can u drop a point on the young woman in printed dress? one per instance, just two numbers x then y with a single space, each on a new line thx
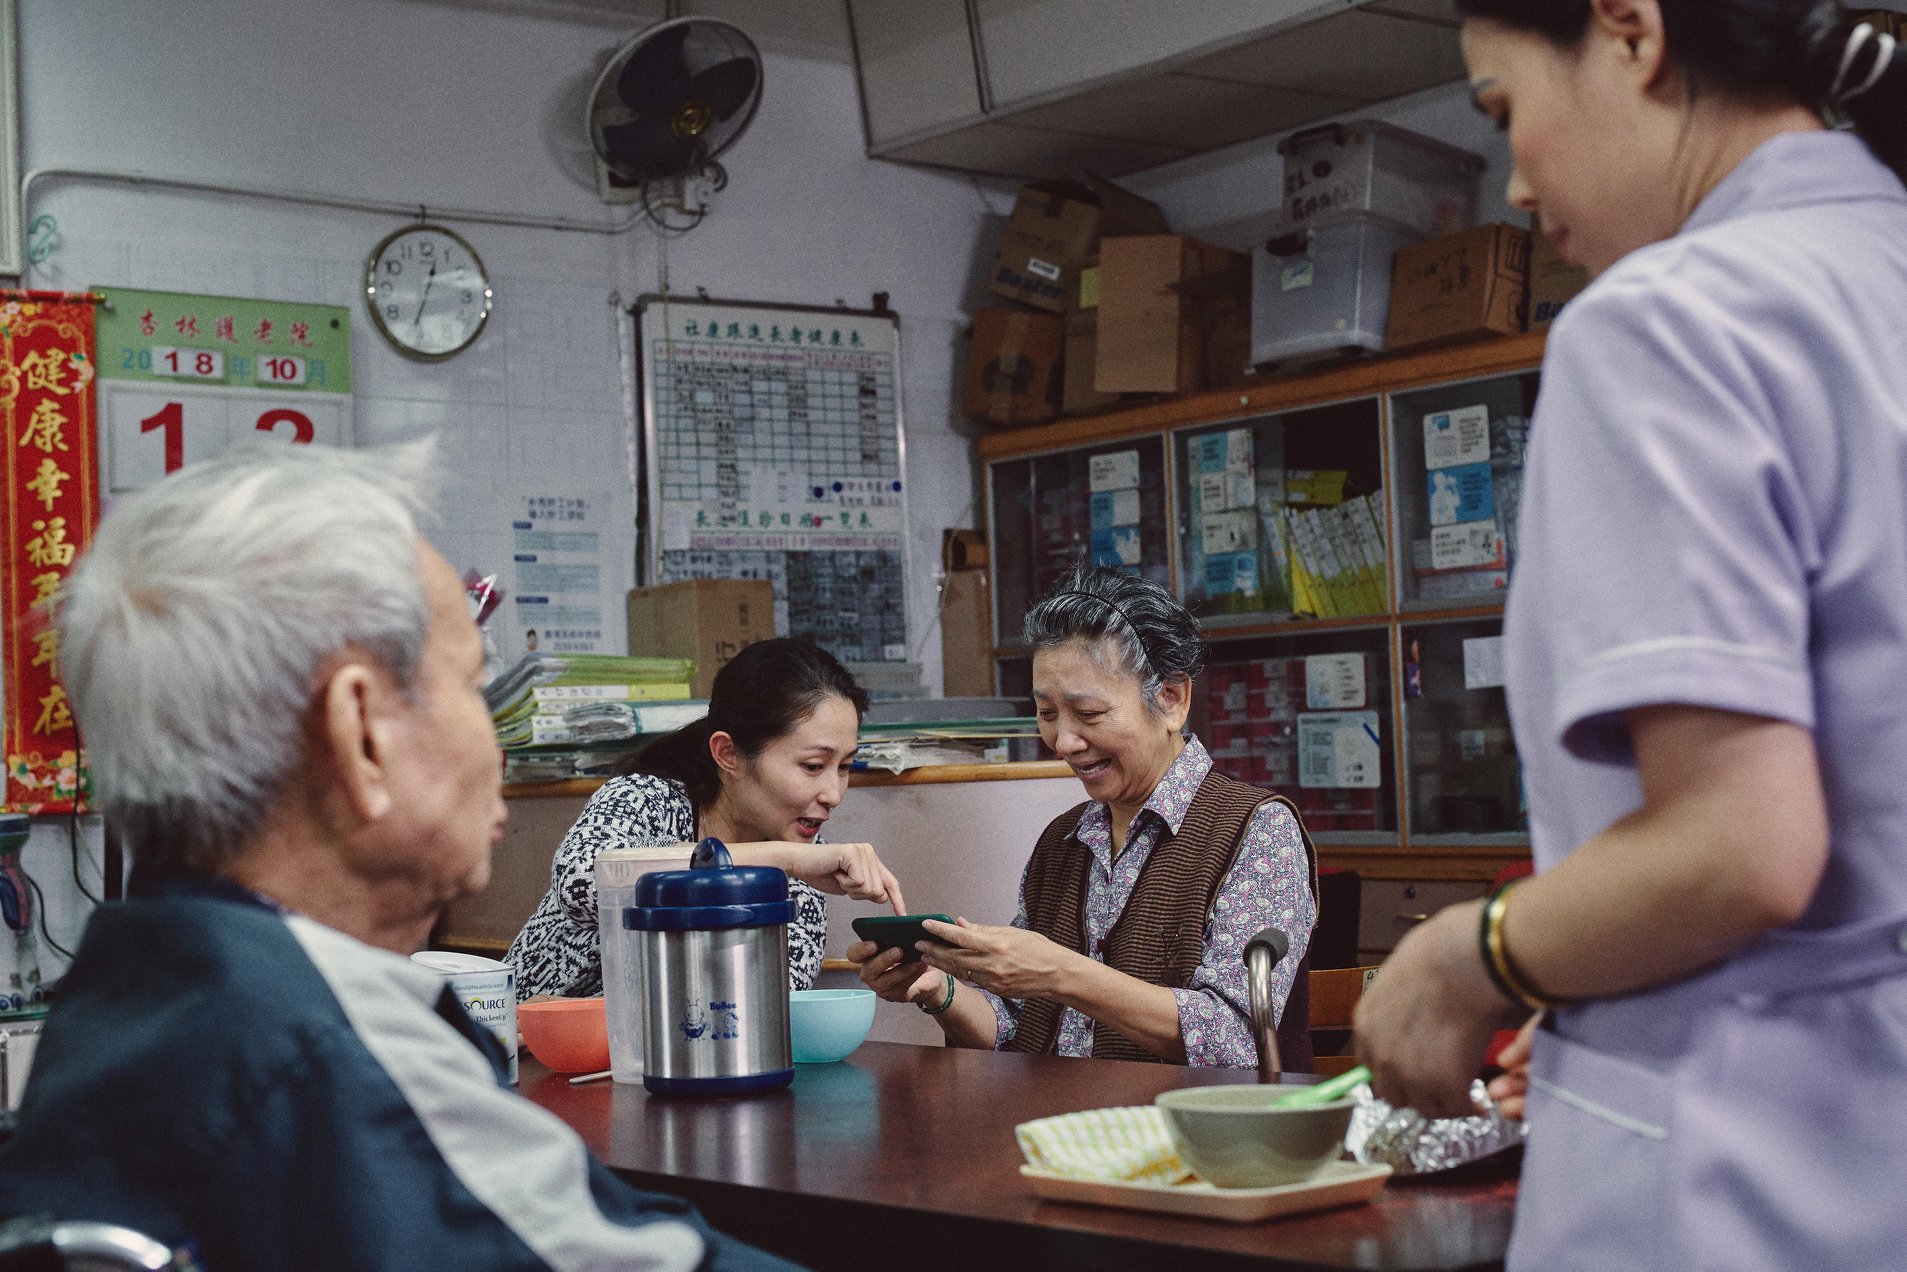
762 772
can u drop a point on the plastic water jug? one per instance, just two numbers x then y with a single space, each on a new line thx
617 873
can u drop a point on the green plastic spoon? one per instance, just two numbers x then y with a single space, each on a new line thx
1325 1092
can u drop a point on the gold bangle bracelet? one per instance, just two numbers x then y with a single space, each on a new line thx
1497 955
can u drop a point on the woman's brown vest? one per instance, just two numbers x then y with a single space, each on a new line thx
1160 936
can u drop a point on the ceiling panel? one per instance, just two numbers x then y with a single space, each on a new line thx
1013 150
1444 11
808 28
1036 49
1363 56
1184 110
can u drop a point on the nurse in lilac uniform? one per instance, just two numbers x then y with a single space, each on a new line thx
1707 644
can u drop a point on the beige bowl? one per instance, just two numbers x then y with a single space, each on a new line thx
1234 1137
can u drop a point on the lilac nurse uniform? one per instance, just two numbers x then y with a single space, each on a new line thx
1715 513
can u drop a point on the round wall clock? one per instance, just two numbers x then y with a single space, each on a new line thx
428 292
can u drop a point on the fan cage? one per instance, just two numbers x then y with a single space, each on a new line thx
708 42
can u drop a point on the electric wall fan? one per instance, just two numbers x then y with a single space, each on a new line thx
666 104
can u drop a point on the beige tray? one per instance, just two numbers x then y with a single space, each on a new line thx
1338 1184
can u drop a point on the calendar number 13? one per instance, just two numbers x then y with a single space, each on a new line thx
169 422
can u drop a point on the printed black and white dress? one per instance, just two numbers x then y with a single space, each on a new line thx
559 952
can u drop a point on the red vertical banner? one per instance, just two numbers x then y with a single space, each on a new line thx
47 370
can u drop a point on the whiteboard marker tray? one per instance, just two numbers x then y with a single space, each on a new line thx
1338 1184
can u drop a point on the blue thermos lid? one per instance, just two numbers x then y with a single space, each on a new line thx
711 894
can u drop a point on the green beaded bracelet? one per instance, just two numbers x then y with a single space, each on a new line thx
945 1003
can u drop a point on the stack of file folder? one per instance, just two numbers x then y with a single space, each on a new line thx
572 715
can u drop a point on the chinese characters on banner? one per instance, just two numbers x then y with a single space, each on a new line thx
47 368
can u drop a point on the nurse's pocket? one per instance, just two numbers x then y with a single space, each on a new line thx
1595 1169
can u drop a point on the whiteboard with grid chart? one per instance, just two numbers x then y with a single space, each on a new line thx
772 450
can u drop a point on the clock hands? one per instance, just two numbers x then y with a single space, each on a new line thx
425 298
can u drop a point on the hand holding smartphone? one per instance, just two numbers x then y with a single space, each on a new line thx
899 932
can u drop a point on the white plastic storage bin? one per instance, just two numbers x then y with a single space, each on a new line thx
1324 288
1366 166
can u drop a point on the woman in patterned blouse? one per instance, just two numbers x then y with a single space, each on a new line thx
1136 906
762 772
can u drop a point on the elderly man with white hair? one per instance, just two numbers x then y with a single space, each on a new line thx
279 686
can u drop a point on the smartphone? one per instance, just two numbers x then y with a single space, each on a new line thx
898 931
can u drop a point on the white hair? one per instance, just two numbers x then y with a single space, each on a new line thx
196 628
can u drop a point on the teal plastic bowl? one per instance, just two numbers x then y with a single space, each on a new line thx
825 1025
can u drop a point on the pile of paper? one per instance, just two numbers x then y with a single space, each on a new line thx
1337 557
577 701
897 747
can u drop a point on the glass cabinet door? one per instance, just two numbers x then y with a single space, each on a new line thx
1459 474
1464 777
1231 483
1283 515
1101 504
1308 717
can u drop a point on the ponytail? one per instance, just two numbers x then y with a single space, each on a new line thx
683 756
1861 74
759 695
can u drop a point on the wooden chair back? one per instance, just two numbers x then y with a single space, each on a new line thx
1334 995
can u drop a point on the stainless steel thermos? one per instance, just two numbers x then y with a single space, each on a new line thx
712 953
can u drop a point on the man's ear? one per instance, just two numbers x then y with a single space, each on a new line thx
354 730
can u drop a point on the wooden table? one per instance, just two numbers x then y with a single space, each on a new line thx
903 1157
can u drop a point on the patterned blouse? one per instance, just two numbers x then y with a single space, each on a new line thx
1269 885
559 952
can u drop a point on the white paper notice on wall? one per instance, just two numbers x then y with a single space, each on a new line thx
1339 749
1116 471
1457 437
565 598
1334 682
1464 546
1483 662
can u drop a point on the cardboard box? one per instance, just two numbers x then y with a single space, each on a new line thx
1013 367
1053 230
1150 335
1553 281
963 550
966 641
1082 345
1458 287
1223 308
709 620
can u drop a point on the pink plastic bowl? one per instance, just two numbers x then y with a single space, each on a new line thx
568 1035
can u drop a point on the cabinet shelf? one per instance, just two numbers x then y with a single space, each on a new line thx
1389 728
1220 629
1392 374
